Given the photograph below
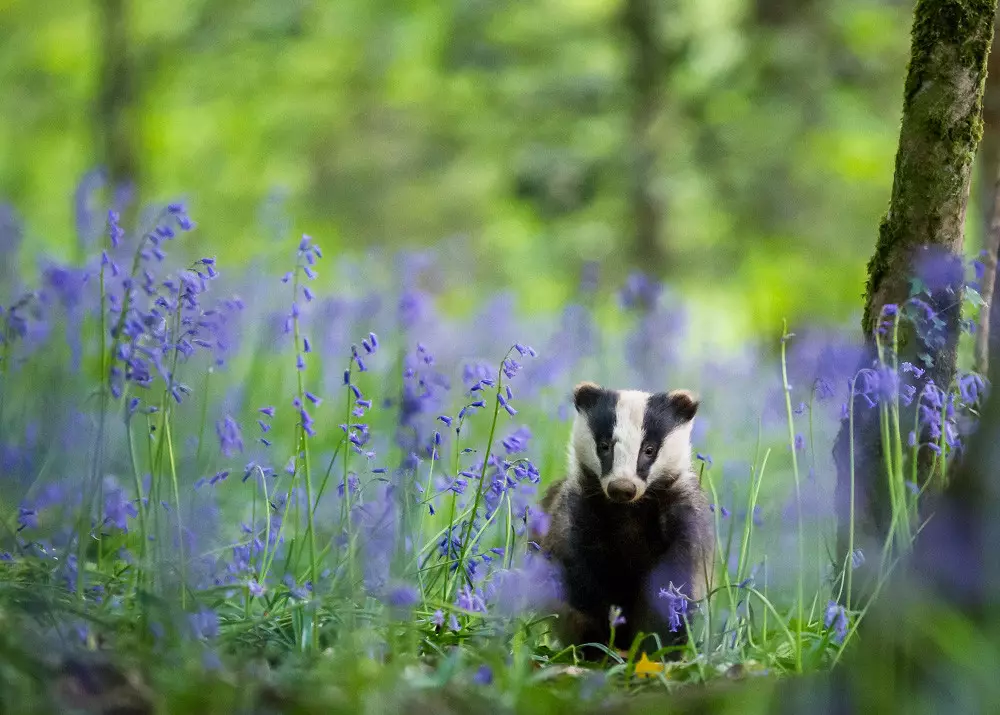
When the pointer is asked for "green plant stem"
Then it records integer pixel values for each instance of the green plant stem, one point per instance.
(798, 497)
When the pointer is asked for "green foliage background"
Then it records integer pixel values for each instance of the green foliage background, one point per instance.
(387, 124)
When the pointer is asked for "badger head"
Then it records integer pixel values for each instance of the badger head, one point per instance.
(626, 441)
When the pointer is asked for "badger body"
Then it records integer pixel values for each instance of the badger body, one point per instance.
(630, 518)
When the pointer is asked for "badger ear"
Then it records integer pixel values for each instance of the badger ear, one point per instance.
(685, 403)
(586, 395)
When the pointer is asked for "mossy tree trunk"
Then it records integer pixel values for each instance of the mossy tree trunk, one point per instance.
(940, 132)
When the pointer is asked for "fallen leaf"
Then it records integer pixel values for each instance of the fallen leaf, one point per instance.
(647, 668)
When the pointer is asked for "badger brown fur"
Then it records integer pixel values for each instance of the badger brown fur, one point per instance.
(630, 517)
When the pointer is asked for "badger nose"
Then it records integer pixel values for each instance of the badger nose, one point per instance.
(621, 490)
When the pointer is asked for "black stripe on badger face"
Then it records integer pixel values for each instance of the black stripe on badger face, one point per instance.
(597, 406)
(665, 412)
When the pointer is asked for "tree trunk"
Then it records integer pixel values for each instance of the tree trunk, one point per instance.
(986, 337)
(988, 160)
(117, 128)
(940, 131)
(639, 19)
(989, 186)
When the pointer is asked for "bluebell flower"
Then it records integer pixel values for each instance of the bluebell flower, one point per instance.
(517, 441)
(403, 596)
(118, 508)
(483, 676)
(824, 389)
(204, 624)
(230, 437)
(705, 458)
(115, 232)
(676, 606)
(256, 589)
(857, 559)
(836, 618)
(971, 386)
(615, 617)
(639, 292)
(26, 518)
(437, 618)
(506, 405)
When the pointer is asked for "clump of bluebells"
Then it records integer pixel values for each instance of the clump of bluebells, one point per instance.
(320, 472)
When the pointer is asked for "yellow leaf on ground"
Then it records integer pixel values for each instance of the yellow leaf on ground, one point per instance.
(647, 668)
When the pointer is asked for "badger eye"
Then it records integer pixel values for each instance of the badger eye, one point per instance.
(603, 446)
(649, 450)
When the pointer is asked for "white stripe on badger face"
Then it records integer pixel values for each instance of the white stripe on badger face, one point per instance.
(674, 458)
(628, 435)
(583, 447)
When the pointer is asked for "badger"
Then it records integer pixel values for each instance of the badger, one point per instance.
(629, 519)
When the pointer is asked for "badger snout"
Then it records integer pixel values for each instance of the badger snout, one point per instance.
(621, 491)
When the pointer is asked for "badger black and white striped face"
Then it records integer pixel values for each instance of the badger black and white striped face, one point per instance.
(626, 440)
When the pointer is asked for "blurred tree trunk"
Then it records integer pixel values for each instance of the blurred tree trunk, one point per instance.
(644, 69)
(986, 336)
(940, 131)
(989, 185)
(117, 128)
(778, 13)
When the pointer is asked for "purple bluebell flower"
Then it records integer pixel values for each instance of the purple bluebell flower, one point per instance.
(836, 619)
(483, 676)
(676, 604)
(506, 405)
(403, 596)
(857, 559)
(115, 232)
(823, 388)
(230, 437)
(615, 617)
(639, 292)
(26, 518)
(517, 441)
(118, 508)
(204, 624)
(510, 367)
(971, 386)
